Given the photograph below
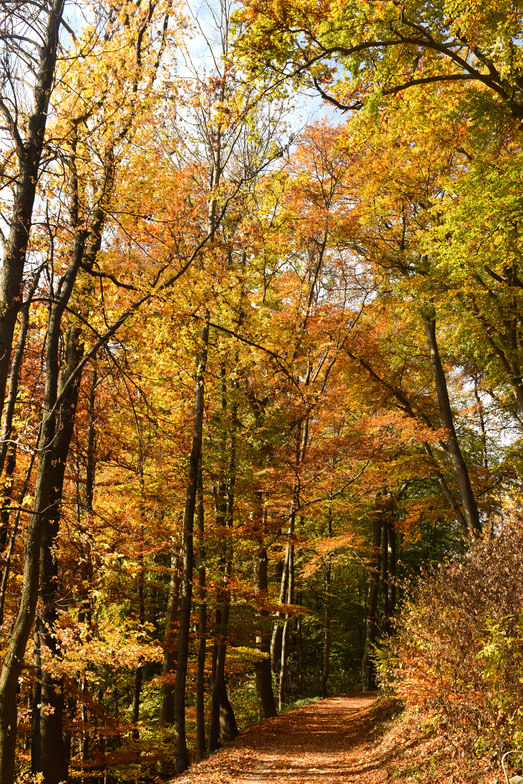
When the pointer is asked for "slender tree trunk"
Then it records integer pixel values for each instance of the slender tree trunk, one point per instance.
(284, 654)
(8, 447)
(53, 755)
(282, 683)
(85, 510)
(13, 537)
(181, 753)
(301, 442)
(392, 567)
(299, 648)
(276, 640)
(29, 154)
(138, 675)
(223, 726)
(12, 664)
(266, 705)
(14, 374)
(482, 424)
(388, 567)
(326, 633)
(202, 626)
(219, 689)
(327, 618)
(13, 660)
(468, 501)
(385, 572)
(5, 503)
(36, 743)
(169, 643)
(367, 669)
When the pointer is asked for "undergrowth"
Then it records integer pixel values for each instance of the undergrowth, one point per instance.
(455, 662)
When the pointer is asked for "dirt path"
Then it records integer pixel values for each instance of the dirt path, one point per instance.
(327, 742)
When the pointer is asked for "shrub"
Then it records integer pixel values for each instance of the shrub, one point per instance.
(457, 652)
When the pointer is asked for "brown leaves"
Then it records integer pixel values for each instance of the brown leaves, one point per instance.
(323, 742)
(457, 652)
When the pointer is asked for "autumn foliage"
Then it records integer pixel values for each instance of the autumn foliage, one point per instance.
(455, 658)
(255, 371)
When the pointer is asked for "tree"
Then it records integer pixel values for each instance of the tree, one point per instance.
(62, 375)
(30, 42)
(359, 52)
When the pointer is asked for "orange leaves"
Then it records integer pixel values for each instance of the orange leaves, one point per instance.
(325, 550)
(455, 650)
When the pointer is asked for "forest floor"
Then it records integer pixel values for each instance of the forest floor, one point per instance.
(355, 739)
(326, 742)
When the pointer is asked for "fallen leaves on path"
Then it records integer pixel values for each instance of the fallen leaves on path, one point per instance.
(326, 742)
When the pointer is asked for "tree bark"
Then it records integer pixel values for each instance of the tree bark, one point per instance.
(266, 705)
(169, 642)
(284, 653)
(53, 755)
(468, 501)
(276, 640)
(181, 753)
(29, 154)
(299, 647)
(202, 625)
(327, 618)
(222, 725)
(13, 659)
(138, 674)
(367, 668)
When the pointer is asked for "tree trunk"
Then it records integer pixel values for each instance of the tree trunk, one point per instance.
(468, 501)
(202, 626)
(299, 647)
(327, 620)
(169, 642)
(138, 675)
(13, 660)
(36, 744)
(29, 154)
(301, 442)
(326, 634)
(53, 754)
(367, 668)
(181, 753)
(286, 625)
(385, 572)
(276, 640)
(8, 447)
(392, 567)
(85, 510)
(266, 705)
(222, 725)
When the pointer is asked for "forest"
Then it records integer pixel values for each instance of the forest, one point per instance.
(261, 374)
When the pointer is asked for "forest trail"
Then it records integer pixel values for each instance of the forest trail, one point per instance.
(326, 742)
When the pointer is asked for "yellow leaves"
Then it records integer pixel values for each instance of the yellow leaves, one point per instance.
(88, 649)
(243, 654)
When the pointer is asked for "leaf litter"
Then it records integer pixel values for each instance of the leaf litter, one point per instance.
(326, 742)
